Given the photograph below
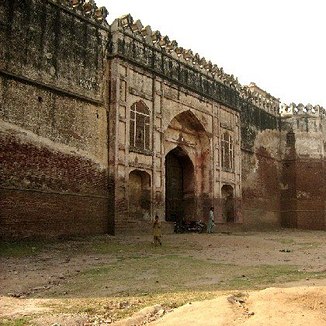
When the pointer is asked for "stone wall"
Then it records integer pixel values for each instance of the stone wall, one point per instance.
(303, 181)
(261, 167)
(53, 122)
(71, 87)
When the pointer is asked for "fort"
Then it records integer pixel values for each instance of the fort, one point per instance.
(102, 126)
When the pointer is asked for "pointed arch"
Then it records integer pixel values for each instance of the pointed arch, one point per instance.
(187, 139)
(188, 120)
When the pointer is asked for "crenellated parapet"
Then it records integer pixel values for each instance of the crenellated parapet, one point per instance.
(152, 50)
(260, 98)
(86, 8)
(127, 25)
(157, 53)
(301, 110)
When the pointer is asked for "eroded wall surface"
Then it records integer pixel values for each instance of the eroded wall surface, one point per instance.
(53, 123)
(303, 179)
(261, 168)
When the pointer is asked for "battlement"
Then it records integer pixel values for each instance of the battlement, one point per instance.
(304, 110)
(260, 98)
(156, 52)
(151, 48)
(86, 8)
(127, 25)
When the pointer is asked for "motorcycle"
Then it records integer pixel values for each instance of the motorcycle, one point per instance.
(189, 226)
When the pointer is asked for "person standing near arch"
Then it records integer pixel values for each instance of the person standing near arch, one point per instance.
(157, 231)
(210, 224)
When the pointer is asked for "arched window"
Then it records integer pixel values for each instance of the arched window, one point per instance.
(227, 154)
(139, 126)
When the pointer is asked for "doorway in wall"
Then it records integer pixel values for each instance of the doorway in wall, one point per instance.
(179, 186)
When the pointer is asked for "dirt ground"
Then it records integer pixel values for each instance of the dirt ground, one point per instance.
(267, 278)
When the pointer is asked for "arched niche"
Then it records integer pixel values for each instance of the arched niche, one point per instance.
(139, 195)
(228, 209)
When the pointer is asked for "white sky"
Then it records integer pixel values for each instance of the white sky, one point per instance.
(278, 44)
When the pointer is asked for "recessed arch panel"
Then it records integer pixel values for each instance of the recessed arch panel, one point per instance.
(139, 195)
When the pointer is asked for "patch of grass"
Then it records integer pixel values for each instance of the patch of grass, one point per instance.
(100, 247)
(138, 275)
(148, 274)
(124, 248)
(128, 301)
(266, 275)
(286, 241)
(15, 322)
(20, 249)
(308, 245)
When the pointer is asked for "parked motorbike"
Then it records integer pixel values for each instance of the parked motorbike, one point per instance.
(189, 226)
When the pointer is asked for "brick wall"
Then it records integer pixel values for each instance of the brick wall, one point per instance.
(53, 122)
(261, 168)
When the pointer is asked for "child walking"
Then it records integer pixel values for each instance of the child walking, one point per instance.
(157, 231)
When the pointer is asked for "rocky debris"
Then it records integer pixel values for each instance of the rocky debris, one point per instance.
(61, 320)
(235, 300)
(24, 294)
(16, 294)
(143, 317)
(240, 302)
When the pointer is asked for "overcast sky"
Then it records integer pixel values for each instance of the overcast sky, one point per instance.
(278, 44)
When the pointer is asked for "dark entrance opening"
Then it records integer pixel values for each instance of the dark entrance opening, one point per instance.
(228, 204)
(179, 195)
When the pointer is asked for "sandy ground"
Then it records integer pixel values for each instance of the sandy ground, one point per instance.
(272, 306)
(298, 303)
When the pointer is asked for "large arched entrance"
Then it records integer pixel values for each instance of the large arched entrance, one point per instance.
(179, 187)
(188, 168)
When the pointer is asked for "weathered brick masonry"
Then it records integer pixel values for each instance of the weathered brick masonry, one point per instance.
(53, 122)
(303, 177)
(103, 126)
